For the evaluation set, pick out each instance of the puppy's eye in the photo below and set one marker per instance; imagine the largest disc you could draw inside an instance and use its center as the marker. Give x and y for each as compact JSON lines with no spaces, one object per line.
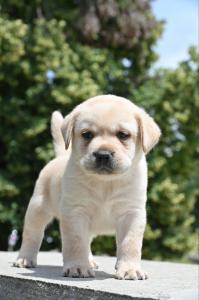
{"x":121,"y":135}
{"x":87,"y":135}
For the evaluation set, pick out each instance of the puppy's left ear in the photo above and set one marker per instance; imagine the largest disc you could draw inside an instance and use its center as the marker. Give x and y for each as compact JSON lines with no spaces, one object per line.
{"x":67,"y":128}
{"x":149,"y":131}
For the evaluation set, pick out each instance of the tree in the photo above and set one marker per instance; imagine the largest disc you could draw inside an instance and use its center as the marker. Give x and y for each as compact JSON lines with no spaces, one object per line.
{"x":172,"y":97}
{"x":127,"y":28}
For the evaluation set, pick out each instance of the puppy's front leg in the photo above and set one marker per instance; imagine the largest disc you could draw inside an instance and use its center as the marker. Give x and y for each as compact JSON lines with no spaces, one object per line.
{"x":129,"y":235}
{"x":75,"y":246}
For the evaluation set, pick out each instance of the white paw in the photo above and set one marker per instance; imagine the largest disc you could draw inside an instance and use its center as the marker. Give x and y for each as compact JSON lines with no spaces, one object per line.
{"x":23,"y":262}
{"x":93,"y":264}
{"x":126,"y":270}
{"x":78,"y":271}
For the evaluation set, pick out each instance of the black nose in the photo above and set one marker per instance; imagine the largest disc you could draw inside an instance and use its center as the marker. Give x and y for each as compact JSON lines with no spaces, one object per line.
{"x":103,"y":157}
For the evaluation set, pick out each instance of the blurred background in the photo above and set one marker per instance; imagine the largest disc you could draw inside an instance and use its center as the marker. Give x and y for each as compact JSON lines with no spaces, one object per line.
{"x":56,"y":54}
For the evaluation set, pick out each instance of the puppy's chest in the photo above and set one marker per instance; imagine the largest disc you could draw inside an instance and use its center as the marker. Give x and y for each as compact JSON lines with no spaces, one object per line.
{"x":103,"y":217}
{"x":102,"y":221}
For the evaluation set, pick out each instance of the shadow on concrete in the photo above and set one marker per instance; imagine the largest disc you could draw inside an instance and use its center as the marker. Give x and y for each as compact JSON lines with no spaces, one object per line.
{"x":55,"y":273}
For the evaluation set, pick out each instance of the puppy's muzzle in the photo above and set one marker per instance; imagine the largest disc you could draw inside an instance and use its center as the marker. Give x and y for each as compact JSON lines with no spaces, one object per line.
{"x":103,"y":160}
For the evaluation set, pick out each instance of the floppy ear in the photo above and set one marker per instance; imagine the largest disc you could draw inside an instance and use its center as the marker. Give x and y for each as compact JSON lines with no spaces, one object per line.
{"x":149,"y":131}
{"x":67,"y":128}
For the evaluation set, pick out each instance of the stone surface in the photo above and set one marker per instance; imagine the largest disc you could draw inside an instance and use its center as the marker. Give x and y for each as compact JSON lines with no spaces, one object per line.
{"x":167,"y":281}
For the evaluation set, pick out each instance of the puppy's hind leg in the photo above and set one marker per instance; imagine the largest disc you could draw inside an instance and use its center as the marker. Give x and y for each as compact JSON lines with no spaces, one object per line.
{"x":36,"y":219}
{"x":92,"y":262}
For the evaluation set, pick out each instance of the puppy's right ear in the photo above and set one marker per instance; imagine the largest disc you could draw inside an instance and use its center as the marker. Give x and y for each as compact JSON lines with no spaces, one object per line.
{"x":67,"y":128}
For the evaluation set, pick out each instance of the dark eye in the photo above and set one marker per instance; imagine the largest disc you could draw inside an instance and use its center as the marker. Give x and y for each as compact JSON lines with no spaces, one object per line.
{"x":87,"y":135}
{"x":121,"y":135}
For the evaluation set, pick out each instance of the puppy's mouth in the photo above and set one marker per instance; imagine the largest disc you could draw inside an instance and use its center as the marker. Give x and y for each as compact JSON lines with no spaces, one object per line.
{"x":104,"y":169}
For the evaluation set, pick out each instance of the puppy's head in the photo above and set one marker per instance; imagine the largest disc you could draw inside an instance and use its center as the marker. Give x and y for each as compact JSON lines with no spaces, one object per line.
{"x":106,"y":132}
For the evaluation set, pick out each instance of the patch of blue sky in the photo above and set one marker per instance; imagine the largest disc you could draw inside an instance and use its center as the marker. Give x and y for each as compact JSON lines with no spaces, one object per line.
{"x":180,"y":32}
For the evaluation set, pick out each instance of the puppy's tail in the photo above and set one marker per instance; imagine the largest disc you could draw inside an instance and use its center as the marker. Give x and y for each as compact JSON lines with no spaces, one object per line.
{"x":58,"y":141}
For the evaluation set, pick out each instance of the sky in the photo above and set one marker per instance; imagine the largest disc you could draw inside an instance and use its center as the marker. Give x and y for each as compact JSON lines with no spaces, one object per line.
{"x":180,"y":31}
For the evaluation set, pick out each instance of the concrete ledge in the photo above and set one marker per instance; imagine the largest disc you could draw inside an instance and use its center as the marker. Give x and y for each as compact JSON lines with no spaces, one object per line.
{"x":167,"y":281}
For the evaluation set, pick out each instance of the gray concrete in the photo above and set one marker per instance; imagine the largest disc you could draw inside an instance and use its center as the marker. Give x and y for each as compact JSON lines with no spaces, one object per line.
{"x":167,"y":281}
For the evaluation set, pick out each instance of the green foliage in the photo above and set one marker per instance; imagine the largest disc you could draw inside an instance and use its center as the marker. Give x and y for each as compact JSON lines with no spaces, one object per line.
{"x":36,"y":41}
{"x":171,"y":96}
{"x":127,"y":28}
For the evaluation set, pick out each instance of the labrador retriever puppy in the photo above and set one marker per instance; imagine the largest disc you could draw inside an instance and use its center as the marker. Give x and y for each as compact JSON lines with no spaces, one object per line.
{"x":97,"y":184}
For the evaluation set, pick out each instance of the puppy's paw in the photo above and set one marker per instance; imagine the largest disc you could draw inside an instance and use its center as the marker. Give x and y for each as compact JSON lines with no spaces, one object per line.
{"x":78,"y":271}
{"x":125,"y":270}
{"x":22,"y":262}
{"x":93,"y":264}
